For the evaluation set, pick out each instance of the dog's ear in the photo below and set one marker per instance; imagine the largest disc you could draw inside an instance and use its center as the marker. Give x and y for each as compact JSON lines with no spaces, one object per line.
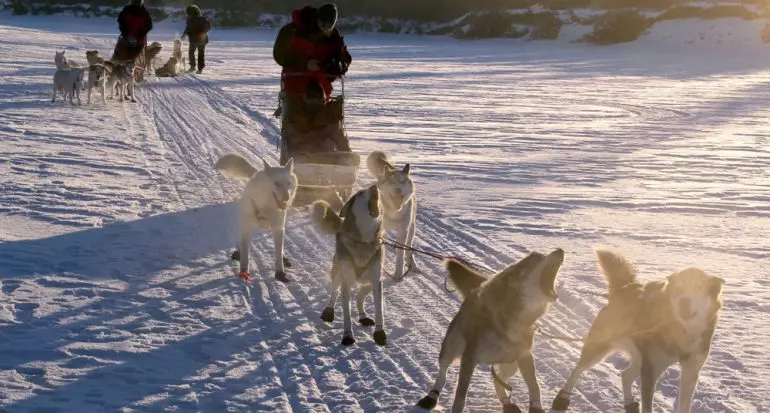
{"x":715,"y":288}
{"x":464,"y":278}
{"x":374,"y":201}
{"x":406,"y":169}
{"x":267,"y":165}
{"x":290,"y":165}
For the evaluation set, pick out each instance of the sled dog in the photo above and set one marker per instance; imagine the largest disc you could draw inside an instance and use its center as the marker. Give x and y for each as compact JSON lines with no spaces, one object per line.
{"x":399,"y":203}
{"x":358,"y":258}
{"x":178,"y":55}
{"x":496,"y":326}
{"x":68,"y":82}
{"x":267,"y":196}
{"x":62,"y":63}
{"x":121,"y":77}
{"x":97,"y":79}
{"x":150,"y":53}
{"x":94,"y":58}
{"x":657,"y":324}
{"x":170,"y":69}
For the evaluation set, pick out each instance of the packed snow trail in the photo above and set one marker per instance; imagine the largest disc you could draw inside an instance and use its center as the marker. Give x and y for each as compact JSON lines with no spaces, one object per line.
{"x":116,"y":289}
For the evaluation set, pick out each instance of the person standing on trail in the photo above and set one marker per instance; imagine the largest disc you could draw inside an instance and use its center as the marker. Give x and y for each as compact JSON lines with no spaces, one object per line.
{"x":197,"y":29}
{"x":134,"y":23}
{"x":311,"y":48}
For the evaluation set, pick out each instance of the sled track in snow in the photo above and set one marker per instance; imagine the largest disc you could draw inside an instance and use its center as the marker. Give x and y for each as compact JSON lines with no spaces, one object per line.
{"x":310,"y":366}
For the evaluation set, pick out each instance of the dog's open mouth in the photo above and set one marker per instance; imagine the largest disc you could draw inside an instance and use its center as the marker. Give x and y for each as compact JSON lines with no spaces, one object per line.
{"x":553,"y":263}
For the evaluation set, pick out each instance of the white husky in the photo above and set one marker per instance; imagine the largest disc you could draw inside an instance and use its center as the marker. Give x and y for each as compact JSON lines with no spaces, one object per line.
{"x":267,"y":196}
{"x":97,"y":79}
{"x":178,"y":54}
{"x":357,"y":258}
{"x":68,"y":82}
{"x":399,"y":202}
{"x":63,"y":63}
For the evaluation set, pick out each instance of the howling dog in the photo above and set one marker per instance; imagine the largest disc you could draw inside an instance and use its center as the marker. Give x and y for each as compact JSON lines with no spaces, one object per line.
{"x":496,"y":326}
{"x":358,"y":258}
{"x":399,"y":203}
{"x":656,"y":324}
{"x":267,"y":196}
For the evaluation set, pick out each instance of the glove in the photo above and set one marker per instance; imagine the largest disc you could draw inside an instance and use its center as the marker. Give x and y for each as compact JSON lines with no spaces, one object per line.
{"x":131,"y":40}
{"x":313,"y":66}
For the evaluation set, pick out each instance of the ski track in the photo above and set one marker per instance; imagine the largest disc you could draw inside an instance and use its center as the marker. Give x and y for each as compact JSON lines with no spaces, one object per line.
{"x":143,"y":295}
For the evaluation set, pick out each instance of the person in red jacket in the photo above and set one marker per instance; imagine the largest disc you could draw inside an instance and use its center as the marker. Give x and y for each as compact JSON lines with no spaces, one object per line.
{"x":135,"y":23}
{"x":311,"y":48}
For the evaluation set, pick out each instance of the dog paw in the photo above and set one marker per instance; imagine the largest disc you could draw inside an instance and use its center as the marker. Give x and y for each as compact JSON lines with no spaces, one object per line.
{"x":286,"y":262}
{"x":348,"y":340}
{"x":632,"y":407}
{"x":236,"y":255}
{"x":366,"y":321}
{"x":328,"y":314}
{"x":380,"y":337}
{"x":560,"y":403}
{"x":536,"y":410}
{"x":428,"y":402}
{"x":281,"y":276}
{"x":511,"y":408}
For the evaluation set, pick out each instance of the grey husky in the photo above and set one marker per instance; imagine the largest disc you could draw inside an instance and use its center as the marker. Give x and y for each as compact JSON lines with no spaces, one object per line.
{"x":496,"y":326}
{"x":399,"y":203}
{"x":358,"y":258}
{"x":657,"y":324}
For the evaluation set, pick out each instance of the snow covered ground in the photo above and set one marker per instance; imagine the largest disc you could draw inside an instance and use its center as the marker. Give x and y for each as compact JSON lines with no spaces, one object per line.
{"x":117,"y":294}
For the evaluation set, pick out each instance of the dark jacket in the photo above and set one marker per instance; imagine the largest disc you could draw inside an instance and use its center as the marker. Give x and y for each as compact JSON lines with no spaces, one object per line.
{"x":197,"y":29}
{"x":301,"y":41}
{"x":135,"y":21}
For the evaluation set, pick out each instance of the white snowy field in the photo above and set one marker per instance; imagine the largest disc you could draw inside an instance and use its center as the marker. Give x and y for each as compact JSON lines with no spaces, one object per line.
{"x":117,"y":293}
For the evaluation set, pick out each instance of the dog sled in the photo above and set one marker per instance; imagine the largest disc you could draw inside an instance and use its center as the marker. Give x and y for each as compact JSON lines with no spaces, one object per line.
{"x":125,"y":51}
{"x":314,"y":135}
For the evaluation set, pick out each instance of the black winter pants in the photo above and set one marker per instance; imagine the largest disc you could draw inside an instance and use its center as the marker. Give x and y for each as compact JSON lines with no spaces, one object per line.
{"x":201,"y":48}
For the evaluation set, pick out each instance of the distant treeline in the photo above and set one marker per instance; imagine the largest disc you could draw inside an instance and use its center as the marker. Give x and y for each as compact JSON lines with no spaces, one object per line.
{"x":416,"y":10}
{"x":613,"y":21}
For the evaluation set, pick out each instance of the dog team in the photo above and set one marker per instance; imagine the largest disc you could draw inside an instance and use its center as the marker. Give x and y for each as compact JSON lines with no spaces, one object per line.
{"x":656,"y":324}
{"x":118,"y":75}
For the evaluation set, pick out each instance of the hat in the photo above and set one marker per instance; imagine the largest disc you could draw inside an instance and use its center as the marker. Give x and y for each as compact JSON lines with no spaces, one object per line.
{"x":193,"y":10}
{"x":328,"y":14}
{"x":136,"y":2}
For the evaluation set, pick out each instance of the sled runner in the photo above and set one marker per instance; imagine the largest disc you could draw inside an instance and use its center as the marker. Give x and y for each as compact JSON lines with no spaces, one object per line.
{"x":313,"y":133}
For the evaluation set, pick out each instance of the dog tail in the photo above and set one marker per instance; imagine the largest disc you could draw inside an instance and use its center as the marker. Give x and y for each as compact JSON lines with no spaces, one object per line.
{"x":235,"y":165}
{"x":325,"y":217}
{"x":618,"y":271}
{"x":376,"y":162}
{"x":464,"y":278}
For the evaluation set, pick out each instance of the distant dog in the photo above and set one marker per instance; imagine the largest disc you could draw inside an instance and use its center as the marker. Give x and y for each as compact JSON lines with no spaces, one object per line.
{"x":63,"y":63}
{"x":657,"y":324}
{"x":97,"y":79}
{"x":94,"y":58}
{"x":178,"y":54}
{"x":264,"y":204}
{"x":400,"y":206}
{"x":170,"y":69}
{"x":358,"y":258}
{"x":495,"y":326}
{"x":121,"y":78}
{"x":69,"y":82}
{"x":150,"y":53}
